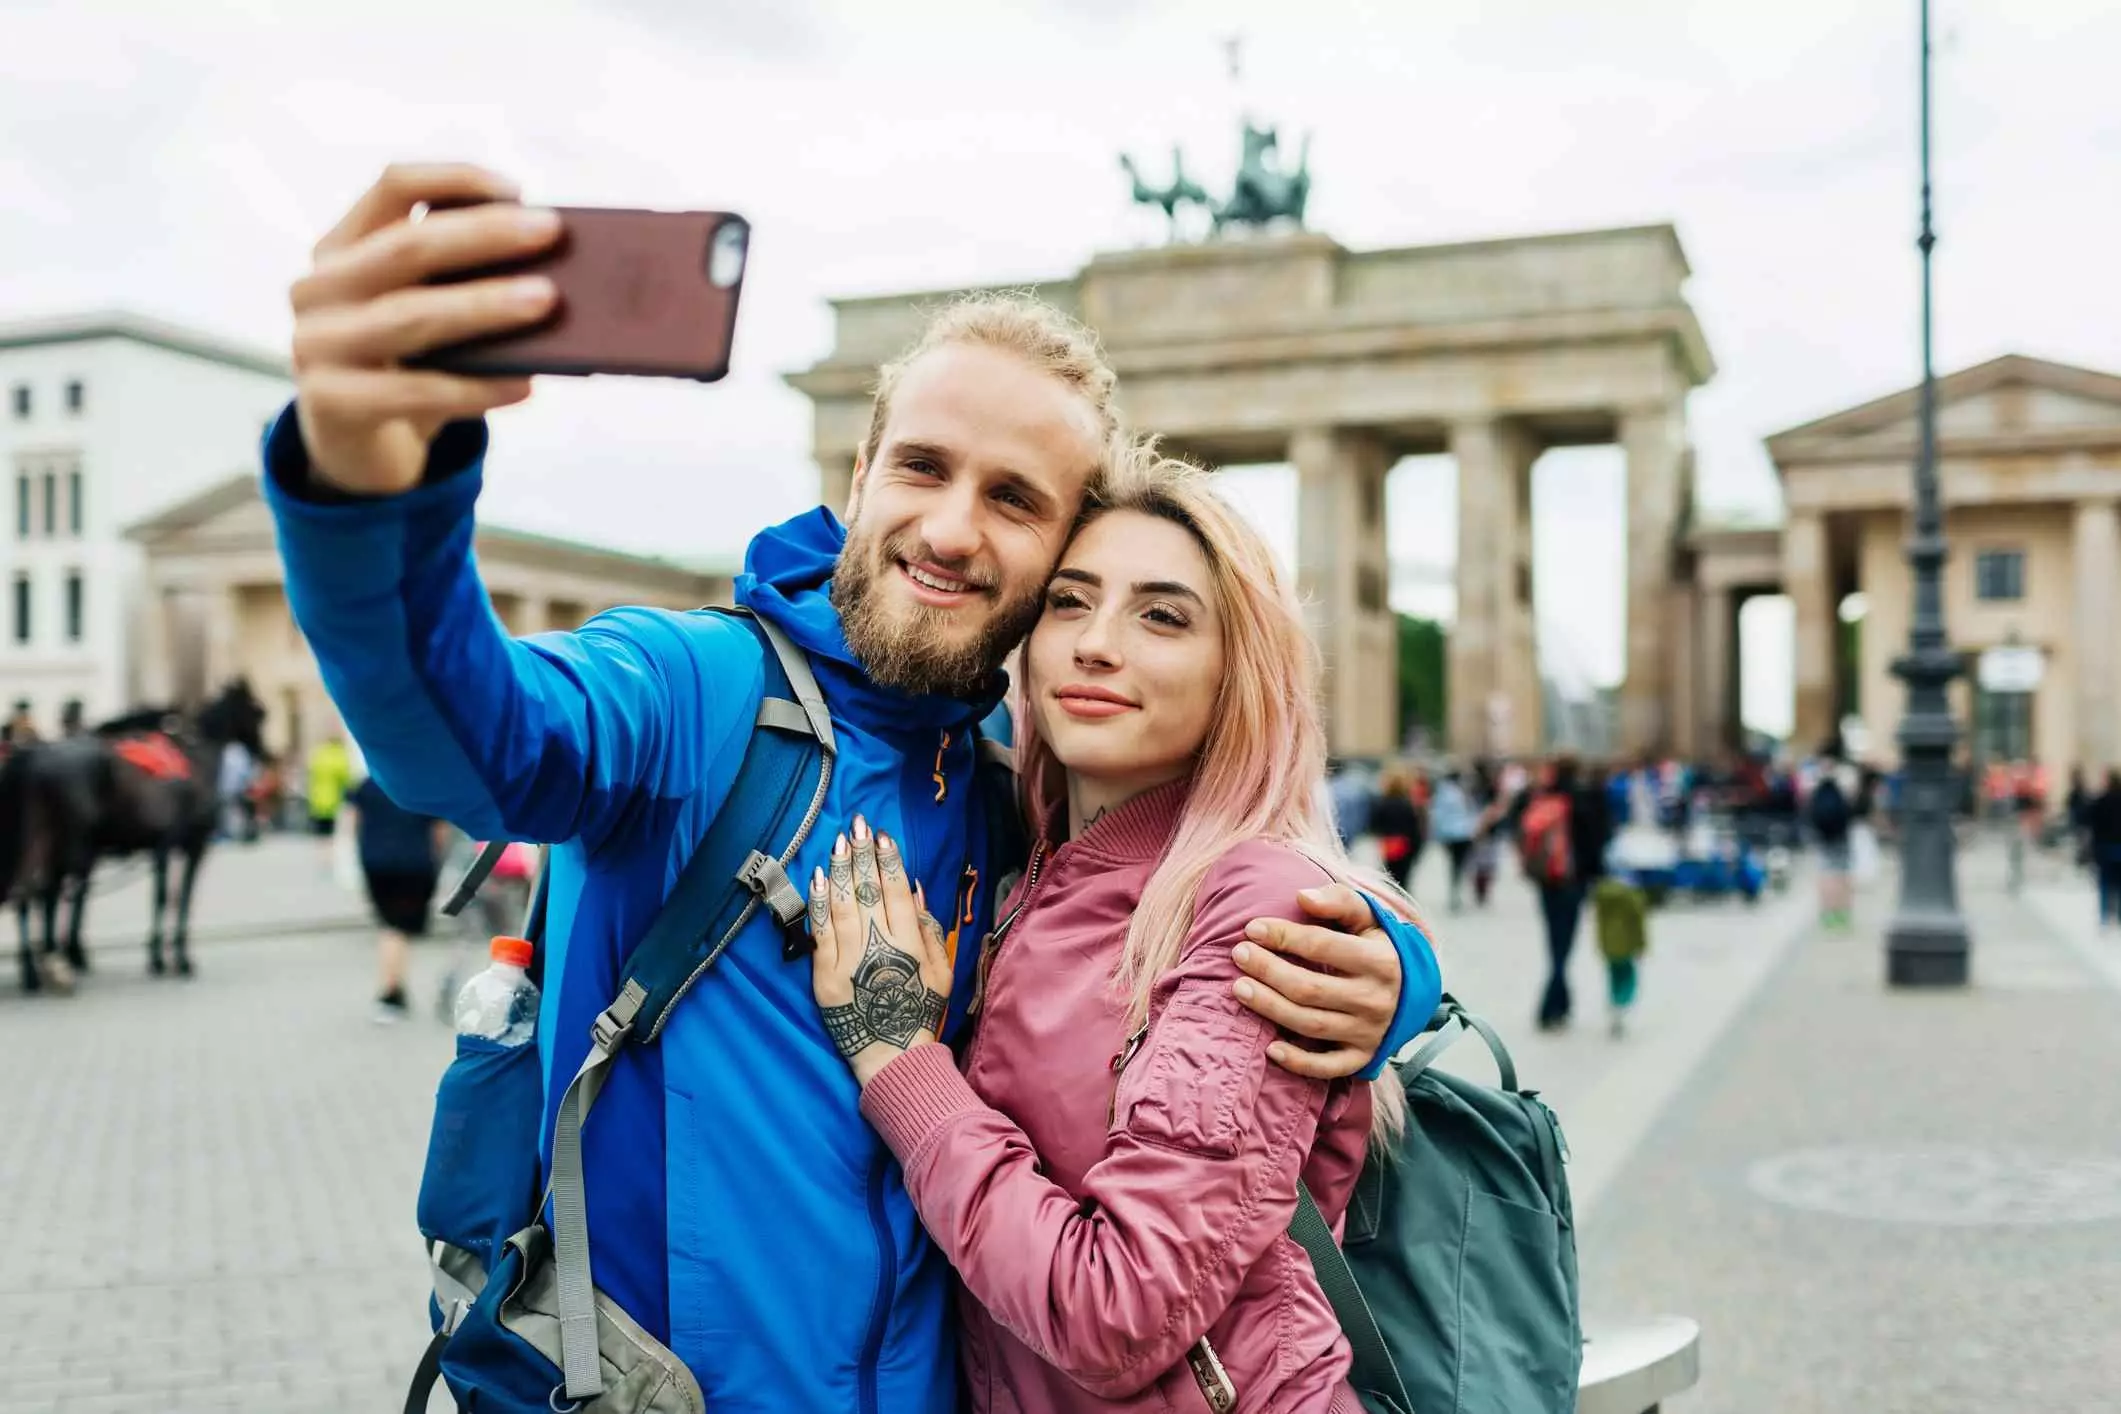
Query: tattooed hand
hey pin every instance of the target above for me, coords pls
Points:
(881, 972)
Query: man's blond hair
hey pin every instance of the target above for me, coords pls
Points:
(1015, 322)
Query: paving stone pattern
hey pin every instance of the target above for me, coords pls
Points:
(1996, 1102)
(208, 1186)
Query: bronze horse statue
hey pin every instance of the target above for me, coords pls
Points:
(1167, 199)
(147, 782)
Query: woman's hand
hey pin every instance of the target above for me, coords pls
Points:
(881, 972)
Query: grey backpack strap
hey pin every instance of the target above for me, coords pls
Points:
(782, 777)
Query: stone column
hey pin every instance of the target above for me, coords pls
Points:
(1690, 736)
(152, 669)
(1343, 577)
(533, 614)
(1494, 668)
(1811, 589)
(2092, 560)
(222, 607)
(1717, 625)
(1654, 442)
(835, 483)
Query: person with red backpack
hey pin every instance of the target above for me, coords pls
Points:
(1562, 837)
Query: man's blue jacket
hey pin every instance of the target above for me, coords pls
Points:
(739, 1206)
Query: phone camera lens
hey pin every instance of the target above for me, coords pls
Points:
(725, 254)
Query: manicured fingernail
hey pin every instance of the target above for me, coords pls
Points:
(883, 842)
(537, 220)
(531, 291)
(839, 847)
(920, 894)
(1277, 1053)
(1244, 991)
(817, 881)
(1256, 931)
(861, 830)
(1241, 954)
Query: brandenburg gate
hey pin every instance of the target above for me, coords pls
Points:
(1294, 349)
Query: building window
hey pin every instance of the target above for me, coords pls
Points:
(1999, 575)
(22, 505)
(51, 504)
(73, 606)
(74, 513)
(76, 395)
(2003, 726)
(21, 401)
(21, 607)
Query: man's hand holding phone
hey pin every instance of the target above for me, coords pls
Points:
(368, 305)
(439, 295)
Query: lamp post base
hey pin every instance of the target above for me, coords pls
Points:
(1927, 949)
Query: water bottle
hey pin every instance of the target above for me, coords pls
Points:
(501, 1003)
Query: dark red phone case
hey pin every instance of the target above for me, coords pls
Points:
(645, 293)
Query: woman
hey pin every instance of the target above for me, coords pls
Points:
(1396, 820)
(1114, 1173)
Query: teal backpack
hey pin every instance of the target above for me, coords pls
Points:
(1456, 1283)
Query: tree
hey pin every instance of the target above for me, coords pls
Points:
(1422, 699)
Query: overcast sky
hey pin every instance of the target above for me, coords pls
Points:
(180, 160)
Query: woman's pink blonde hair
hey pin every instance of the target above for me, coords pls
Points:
(1260, 768)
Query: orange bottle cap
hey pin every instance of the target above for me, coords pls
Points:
(515, 951)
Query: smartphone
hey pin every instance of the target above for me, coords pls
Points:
(650, 294)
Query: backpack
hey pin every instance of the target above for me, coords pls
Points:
(1455, 1281)
(1830, 809)
(519, 1324)
(1544, 838)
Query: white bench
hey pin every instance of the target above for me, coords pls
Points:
(1633, 1369)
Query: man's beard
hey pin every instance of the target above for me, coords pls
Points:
(912, 650)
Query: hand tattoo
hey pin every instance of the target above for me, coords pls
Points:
(820, 913)
(892, 1002)
(842, 876)
(849, 1036)
(866, 892)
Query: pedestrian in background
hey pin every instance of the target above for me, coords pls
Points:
(1831, 813)
(401, 862)
(2103, 826)
(1622, 912)
(1396, 821)
(330, 769)
(1562, 838)
(1452, 817)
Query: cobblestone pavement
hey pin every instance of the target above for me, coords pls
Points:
(1878, 1201)
(210, 1184)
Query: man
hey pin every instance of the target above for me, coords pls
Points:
(742, 1212)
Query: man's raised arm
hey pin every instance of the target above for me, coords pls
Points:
(372, 476)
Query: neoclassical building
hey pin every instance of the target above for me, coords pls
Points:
(2029, 459)
(214, 603)
(1340, 362)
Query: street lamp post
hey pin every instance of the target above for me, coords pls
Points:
(1927, 944)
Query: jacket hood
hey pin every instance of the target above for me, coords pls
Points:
(787, 581)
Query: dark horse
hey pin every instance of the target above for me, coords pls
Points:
(147, 782)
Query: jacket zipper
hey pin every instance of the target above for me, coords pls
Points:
(993, 946)
(879, 1220)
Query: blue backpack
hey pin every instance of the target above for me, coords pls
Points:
(519, 1324)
